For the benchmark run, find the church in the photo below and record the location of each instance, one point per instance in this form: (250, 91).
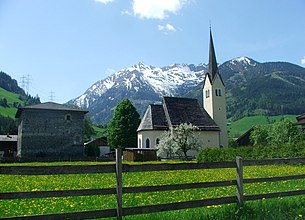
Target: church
(211, 118)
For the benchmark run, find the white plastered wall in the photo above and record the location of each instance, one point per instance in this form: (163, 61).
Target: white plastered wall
(152, 135)
(205, 138)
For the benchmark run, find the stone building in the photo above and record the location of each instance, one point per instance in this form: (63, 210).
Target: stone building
(50, 131)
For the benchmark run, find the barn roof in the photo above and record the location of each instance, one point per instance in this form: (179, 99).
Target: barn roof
(49, 106)
(175, 111)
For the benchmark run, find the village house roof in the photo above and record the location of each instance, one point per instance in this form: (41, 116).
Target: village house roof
(301, 119)
(8, 138)
(49, 106)
(175, 111)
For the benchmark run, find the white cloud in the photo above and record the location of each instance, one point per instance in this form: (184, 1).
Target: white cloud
(156, 9)
(303, 60)
(104, 1)
(167, 27)
(126, 12)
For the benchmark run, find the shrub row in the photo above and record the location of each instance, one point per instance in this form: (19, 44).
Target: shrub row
(256, 152)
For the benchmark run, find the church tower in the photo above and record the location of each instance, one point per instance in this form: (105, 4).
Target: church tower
(214, 99)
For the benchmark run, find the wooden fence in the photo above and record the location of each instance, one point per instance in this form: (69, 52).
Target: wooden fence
(118, 168)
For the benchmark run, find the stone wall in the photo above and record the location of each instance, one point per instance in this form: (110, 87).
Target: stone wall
(50, 134)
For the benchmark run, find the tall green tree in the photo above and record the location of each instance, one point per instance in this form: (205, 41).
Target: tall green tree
(122, 129)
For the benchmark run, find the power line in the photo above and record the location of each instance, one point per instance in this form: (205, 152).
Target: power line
(23, 80)
(25, 83)
(51, 97)
(28, 81)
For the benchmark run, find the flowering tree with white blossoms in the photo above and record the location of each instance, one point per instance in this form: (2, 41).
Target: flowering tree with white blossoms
(179, 140)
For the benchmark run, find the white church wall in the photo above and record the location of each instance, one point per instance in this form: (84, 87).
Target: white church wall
(151, 135)
(205, 138)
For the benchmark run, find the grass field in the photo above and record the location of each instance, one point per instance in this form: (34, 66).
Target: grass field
(239, 127)
(11, 98)
(280, 208)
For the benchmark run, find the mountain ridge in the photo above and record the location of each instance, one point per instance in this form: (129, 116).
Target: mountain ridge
(244, 78)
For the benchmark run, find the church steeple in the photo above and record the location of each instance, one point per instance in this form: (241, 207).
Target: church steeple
(212, 59)
(214, 96)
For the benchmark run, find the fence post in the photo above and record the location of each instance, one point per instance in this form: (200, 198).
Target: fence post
(119, 182)
(239, 180)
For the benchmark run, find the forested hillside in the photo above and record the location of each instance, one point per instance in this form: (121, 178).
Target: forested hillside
(11, 97)
(253, 88)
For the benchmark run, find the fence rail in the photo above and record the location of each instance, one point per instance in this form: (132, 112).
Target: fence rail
(118, 168)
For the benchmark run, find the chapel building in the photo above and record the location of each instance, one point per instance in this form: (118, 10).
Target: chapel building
(211, 118)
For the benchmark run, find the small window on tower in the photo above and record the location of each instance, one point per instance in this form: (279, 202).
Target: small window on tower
(216, 92)
(219, 92)
(207, 93)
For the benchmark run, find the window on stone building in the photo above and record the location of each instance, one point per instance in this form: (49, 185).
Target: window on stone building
(77, 140)
(157, 141)
(68, 117)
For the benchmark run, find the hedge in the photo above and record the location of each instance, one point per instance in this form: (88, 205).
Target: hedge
(256, 152)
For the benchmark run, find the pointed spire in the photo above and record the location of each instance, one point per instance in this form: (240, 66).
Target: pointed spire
(212, 58)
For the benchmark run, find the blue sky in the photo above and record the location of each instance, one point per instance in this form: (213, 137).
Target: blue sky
(67, 45)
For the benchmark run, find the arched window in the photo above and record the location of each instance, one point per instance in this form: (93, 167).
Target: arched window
(219, 92)
(157, 141)
(207, 93)
(147, 143)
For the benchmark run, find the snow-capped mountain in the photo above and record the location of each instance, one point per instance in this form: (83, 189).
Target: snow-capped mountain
(142, 84)
(251, 87)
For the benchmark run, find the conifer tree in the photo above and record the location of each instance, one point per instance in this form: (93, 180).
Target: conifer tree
(122, 129)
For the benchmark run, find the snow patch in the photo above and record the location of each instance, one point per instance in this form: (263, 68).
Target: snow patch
(244, 60)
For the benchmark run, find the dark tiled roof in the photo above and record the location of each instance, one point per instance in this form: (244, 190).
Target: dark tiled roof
(175, 111)
(185, 110)
(49, 106)
(154, 119)
(158, 117)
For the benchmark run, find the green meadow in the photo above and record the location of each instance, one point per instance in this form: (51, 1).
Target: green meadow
(239, 127)
(278, 208)
(11, 98)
